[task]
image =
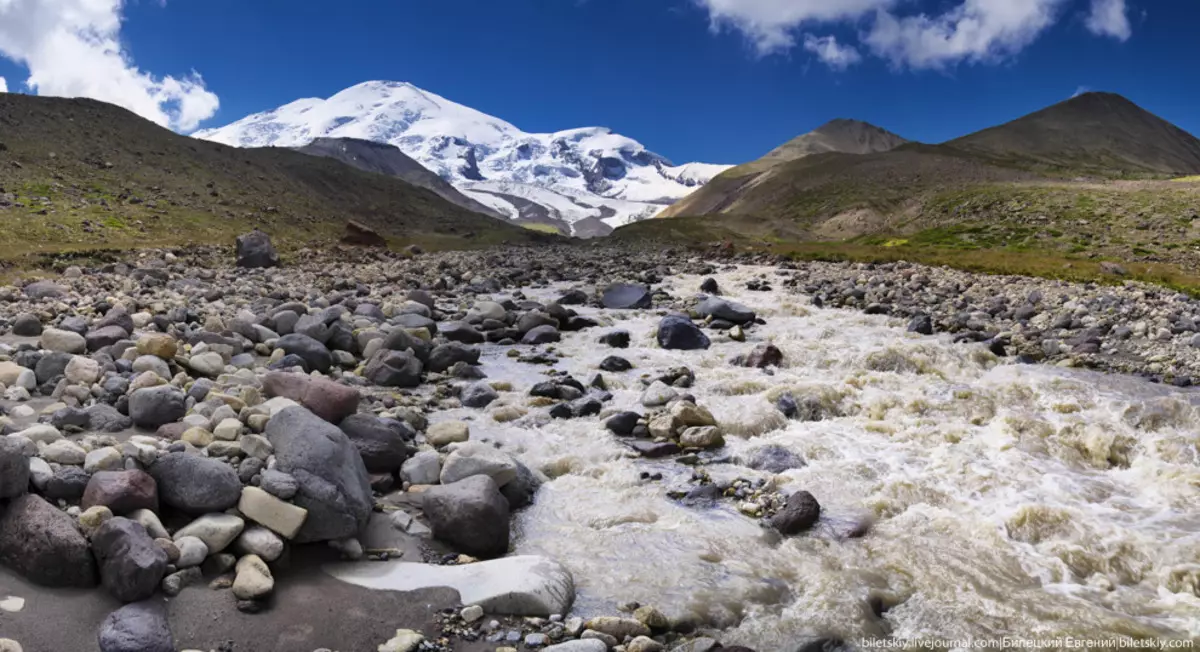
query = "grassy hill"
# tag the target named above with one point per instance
(1086, 177)
(79, 174)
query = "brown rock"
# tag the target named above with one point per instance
(361, 235)
(324, 398)
(121, 491)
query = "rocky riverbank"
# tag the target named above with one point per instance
(175, 424)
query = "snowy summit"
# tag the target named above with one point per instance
(586, 181)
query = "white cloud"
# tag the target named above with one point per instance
(976, 31)
(3, 85)
(72, 48)
(1080, 91)
(771, 24)
(832, 53)
(1109, 18)
(970, 31)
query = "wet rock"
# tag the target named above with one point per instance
(541, 335)
(44, 545)
(137, 627)
(773, 458)
(332, 479)
(471, 514)
(27, 325)
(478, 395)
(520, 491)
(382, 444)
(457, 331)
(658, 394)
(623, 424)
(654, 449)
(626, 296)
(423, 468)
(519, 585)
(447, 355)
(799, 514)
(679, 333)
(615, 364)
(476, 458)
(444, 433)
(921, 324)
(618, 628)
(618, 339)
(121, 491)
(152, 407)
(709, 286)
(763, 355)
(702, 437)
(254, 250)
(131, 564)
(726, 310)
(195, 484)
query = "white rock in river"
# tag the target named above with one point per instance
(478, 458)
(82, 371)
(103, 459)
(64, 451)
(658, 393)
(518, 586)
(55, 339)
(41, 434)
(447, 432)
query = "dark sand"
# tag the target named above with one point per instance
(309, 610)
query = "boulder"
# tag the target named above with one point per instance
(622, 424)
(14, 469)
(921, 324)
(517, 586)
(44, 545)
(394, 369)
(478, 395)
(137, 627)
(471, 515)
(360, 235)
(98, 338)
(763, 355)
(196, 485)
(63, 341)
(444, 433)
(314, 354)
(726, 310)
(44, 290)
(254, 250)
(772, 458)
(68, 483)
(800, 513)
(151, 407)
(446, 355)
(382, 443)
(423, 468)
(626, 296)
(121, 491)
(457, 331)
(477, 458)
(27, 325)
(544, 334)
(679, 333)
(331, 401)
(332, 480)
(131, 564)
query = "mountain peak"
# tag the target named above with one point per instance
(838, 135)
(583, 181)
(1102, 132)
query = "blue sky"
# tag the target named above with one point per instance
(718, 81)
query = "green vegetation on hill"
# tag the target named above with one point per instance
(80, 174)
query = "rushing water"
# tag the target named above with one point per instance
(1002, 499)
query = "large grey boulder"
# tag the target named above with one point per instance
(44, 545)
(137, 627)
(254, 250)
(131, 564)
(196, 485)
(151, 407)
(332, 480)
(626, 296)
(314, 354)
(679, 333)
(14, 469)
(382, 443)
(394, 369)
(725, 309)
(329, 400)
(446, 355)
(517, 586)
(471, 515)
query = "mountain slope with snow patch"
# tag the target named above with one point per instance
(584, 181)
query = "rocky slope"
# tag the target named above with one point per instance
(582, 181)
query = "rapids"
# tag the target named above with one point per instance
(1002, 499)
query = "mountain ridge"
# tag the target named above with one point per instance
(586, 175)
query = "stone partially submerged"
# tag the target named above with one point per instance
(518, 586)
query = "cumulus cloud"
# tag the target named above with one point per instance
(970, 31)
(832, 53)
(1109, 18)
(770, 24)
(975, 31)
(72, 48)
(3, 85)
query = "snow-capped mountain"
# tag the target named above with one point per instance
(585, 181)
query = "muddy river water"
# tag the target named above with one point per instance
(1001, 499)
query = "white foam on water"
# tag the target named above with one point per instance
(1005, 499)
